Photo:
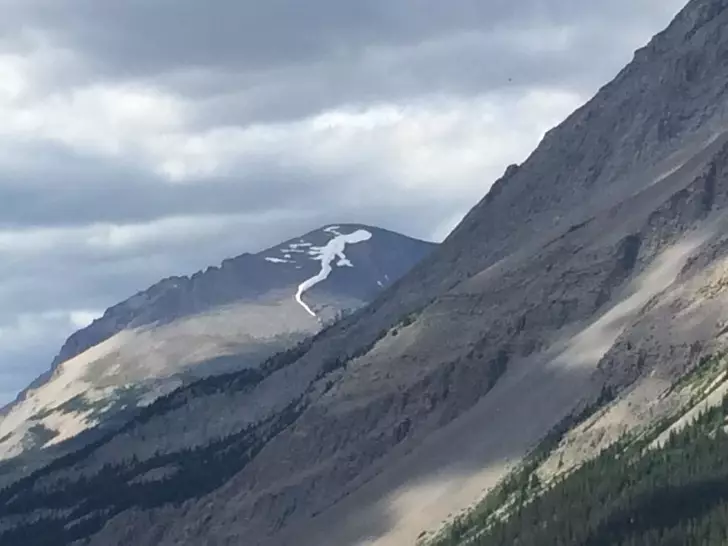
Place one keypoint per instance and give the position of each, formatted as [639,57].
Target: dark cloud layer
[135,130]
[289,58]
[152,37]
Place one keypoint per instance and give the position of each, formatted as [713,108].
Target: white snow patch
[277,261]
[326,255]
[333,229]
[380,283]
[295,248]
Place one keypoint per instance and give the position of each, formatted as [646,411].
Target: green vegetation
[627,496]
[85,504]
[121,405]
[702,376]
[408,320]
[82,506]
[41,434]
[520,485]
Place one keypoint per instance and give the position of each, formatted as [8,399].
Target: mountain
[579,306]
[183,328]
[650,489]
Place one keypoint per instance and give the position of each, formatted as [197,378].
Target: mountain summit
[223,319]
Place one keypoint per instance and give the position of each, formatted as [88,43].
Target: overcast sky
[145,138]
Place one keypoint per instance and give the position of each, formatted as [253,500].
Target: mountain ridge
[181,315]
[165,285]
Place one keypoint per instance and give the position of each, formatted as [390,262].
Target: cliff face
[596,266]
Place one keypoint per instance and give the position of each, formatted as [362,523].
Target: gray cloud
[283,58]
[133,131]
[139,36]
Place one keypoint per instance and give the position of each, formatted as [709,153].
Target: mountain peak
[242,277]
[219,319]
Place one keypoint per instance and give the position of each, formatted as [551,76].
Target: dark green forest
[81,507]
[629,495]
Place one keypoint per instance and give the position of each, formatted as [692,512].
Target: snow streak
[326,255]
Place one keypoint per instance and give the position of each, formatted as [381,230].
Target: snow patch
[277,261]
[326,255]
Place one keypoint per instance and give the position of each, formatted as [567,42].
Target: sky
[146,138]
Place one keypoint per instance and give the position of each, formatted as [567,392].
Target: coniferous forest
[630,495]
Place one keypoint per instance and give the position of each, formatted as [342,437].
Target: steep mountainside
[183,328]
[636,492]
[587,282]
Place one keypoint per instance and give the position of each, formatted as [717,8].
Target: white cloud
[424,142]
[98,119]
[14,81]
[27,329]
[439,144]
[83,317]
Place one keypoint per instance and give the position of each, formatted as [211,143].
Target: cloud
[25,337]
[245,61]
[133,129]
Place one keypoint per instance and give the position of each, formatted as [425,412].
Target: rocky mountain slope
[225,318]
[660,486]
[571,300]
